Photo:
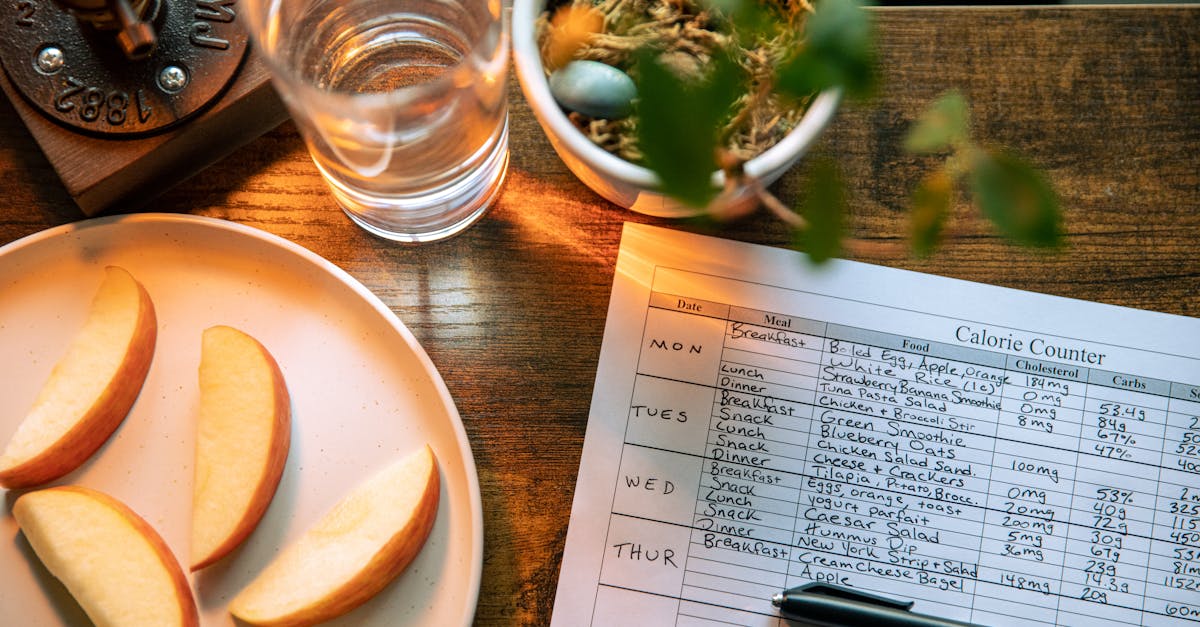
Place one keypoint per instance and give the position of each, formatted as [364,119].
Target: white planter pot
[631,186]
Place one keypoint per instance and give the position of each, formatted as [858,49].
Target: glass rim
[285,73]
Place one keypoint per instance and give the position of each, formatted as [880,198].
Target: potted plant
[696,73]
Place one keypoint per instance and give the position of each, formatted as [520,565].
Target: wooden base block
[119,174]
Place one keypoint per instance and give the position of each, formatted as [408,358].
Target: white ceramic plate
[363,393]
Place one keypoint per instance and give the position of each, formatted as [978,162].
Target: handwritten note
[1000,457]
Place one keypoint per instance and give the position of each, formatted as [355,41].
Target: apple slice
[242,441]
[352,553]
[113,562]
[90,390]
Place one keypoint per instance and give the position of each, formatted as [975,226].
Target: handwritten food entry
[1001,457]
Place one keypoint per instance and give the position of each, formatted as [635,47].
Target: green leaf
[947,121]
[1016,197]
[726,83]
[824,206]
[749,18]
[931,202]
[805,74]
[679,122]
[839,51]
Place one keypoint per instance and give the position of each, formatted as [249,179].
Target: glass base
[432,216]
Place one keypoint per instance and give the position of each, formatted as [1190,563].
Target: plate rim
[323,264]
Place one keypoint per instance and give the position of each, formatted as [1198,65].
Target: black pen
[836,606]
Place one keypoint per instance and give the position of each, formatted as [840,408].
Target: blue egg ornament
[594,89]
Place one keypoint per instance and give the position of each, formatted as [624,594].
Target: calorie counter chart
[999,457]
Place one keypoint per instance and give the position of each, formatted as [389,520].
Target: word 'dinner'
[757,426]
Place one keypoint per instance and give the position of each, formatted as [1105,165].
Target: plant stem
[775,206]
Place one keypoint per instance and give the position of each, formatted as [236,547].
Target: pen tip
[777,599]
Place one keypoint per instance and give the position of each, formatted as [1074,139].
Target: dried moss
[687,34]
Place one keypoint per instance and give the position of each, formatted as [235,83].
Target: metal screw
[50,60]
[172,79]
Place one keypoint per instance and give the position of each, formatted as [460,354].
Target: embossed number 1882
[93,103]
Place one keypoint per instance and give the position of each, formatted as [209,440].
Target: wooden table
[1106,100]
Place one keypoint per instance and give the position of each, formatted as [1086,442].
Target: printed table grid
[994,488]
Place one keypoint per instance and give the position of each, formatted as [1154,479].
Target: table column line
[1062,576]
[808,440]
[988,491]
[1154,515]
[704,455]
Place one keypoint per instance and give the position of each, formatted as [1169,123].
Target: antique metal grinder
[127,97]
[120,67]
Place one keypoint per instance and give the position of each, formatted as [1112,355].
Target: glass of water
[402,104]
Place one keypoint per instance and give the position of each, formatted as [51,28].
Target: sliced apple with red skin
[352,553]
[242,440]
[90,390]
[111,560]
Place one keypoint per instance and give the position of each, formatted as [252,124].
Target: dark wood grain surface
[1105,100]
[100,172]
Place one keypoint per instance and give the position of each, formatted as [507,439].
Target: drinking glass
[401,102]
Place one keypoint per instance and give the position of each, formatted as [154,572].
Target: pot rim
[530,72]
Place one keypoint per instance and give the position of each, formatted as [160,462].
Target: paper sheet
[1001,457]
